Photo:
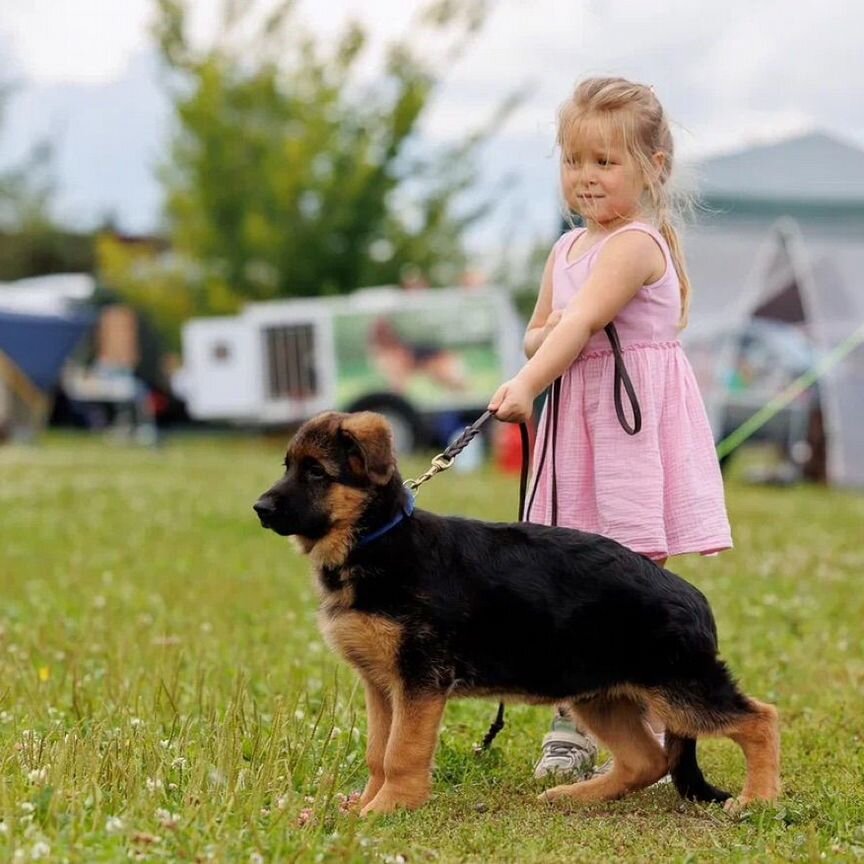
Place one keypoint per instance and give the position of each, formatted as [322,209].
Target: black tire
[403,418]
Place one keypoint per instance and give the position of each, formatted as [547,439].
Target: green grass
[165,696]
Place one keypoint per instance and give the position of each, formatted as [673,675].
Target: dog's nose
[265,508]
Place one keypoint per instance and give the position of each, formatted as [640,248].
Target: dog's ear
[370,451]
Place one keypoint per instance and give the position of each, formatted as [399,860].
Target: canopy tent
[33,349]
[812,280]
[54,294]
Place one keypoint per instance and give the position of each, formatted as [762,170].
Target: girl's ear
[658,160]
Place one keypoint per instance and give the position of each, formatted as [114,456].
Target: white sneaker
[567,753]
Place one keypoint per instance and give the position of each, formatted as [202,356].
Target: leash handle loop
[622,379]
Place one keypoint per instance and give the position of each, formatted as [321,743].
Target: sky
[730,74]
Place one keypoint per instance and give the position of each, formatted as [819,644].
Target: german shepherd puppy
[426,607]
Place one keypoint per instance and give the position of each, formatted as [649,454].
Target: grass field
[165,696]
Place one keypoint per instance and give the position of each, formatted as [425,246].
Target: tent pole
[26,391]
[774,406]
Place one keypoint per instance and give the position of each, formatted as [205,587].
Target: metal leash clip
[440,463]
[445,460]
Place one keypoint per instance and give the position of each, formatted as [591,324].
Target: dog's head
[336,468]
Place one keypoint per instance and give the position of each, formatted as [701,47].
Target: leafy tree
[291,176]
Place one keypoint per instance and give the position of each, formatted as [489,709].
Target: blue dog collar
[404,513]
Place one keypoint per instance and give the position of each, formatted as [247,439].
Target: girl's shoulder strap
[645,228]
[651,231]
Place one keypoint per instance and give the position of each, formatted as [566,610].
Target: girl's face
[599,178]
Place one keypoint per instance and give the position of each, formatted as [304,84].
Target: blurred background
[220,215]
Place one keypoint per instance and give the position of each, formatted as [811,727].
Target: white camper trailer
[429,360]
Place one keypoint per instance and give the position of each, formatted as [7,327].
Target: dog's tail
[686,773]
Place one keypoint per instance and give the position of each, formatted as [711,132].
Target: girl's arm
[627,262]
[538,327]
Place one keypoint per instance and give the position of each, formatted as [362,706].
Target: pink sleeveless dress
[658,492]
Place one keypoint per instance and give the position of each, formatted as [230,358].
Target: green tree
[291,176]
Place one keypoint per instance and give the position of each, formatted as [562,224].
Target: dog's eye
[315,471]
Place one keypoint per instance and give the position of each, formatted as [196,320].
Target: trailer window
[290,361]
[220,352]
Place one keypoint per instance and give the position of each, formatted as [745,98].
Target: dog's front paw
[373,787]
[388,799]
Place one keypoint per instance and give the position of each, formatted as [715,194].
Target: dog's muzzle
[266,510]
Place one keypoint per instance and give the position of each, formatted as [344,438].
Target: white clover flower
[136,722]
[37,775]
[167,819]
[114,825]
[180,763]
[40,850]
[153,783]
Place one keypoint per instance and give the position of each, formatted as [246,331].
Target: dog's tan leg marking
[638,760]
[410,749]
[379,714]
[758,735]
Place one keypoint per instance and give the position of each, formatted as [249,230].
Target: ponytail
[670,235]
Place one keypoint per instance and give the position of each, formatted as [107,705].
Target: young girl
[658,492]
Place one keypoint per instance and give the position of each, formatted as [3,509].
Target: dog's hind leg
[713,705]
[379,715]
[637,759]
[758,735]
[410,749]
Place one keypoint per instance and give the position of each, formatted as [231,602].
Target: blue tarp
[40,344]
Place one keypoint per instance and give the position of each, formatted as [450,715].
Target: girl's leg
[655,724]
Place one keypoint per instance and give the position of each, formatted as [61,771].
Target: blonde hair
[634,112]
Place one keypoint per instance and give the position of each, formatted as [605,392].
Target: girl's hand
[513,402]
[551,321]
